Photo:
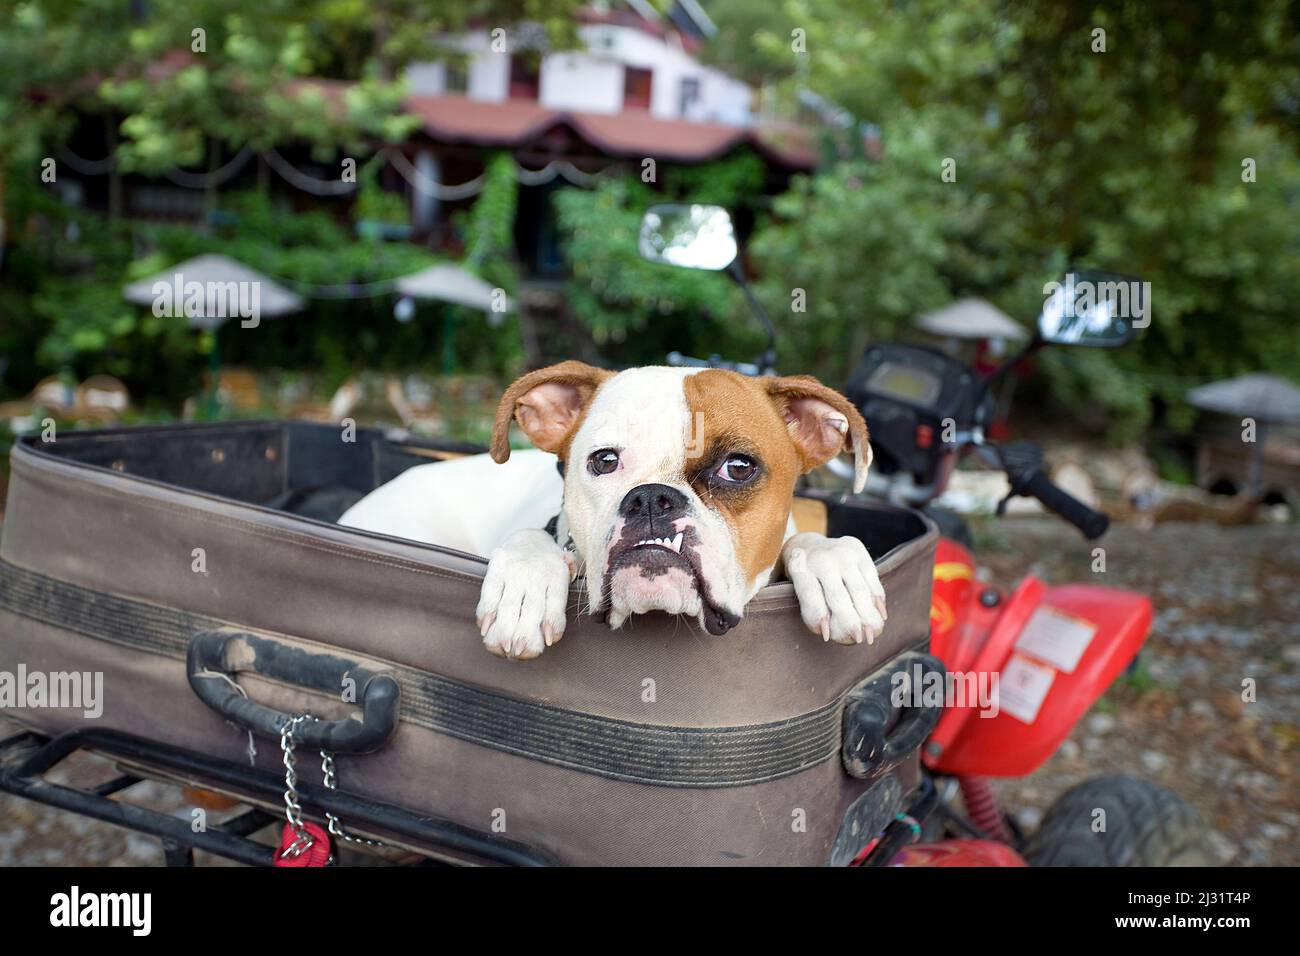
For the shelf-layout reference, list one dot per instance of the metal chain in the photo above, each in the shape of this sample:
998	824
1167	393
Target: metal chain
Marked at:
331	783
303	839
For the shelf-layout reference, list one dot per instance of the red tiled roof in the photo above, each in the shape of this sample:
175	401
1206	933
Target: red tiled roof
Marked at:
631	133
512	123
458	119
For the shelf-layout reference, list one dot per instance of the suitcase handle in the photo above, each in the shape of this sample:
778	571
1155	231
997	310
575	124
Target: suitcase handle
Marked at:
871	745
214	656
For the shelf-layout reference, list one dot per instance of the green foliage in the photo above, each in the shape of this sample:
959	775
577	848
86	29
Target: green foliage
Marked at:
489	224
1129	159
70	313
488	229
739	22
374	203
264	77
1133	683
617	294
240	82
879	263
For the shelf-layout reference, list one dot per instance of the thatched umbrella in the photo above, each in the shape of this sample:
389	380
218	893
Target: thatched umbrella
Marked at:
971	319
208	291
1264	398
447	282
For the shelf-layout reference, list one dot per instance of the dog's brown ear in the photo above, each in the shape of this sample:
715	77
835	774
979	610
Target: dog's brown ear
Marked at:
547	404
822	423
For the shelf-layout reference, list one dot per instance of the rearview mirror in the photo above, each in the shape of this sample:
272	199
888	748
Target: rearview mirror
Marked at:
689	235
1094	308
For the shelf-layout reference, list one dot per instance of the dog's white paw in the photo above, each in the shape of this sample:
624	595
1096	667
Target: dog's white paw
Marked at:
521	608
839	591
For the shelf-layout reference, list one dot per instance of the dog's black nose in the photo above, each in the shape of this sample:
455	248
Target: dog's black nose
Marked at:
653	501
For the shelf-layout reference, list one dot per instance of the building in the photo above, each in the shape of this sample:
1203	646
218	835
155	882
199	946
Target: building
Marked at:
634	90
631	59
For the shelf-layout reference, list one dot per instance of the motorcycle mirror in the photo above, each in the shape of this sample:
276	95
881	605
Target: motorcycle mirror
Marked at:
1089	307
690	235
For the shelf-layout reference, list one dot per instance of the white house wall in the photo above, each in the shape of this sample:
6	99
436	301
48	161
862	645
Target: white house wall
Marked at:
489	74
592	80
579	81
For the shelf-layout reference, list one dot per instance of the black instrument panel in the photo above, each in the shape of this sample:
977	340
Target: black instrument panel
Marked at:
913	398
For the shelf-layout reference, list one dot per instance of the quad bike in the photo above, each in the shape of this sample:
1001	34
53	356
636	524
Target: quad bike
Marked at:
1052	650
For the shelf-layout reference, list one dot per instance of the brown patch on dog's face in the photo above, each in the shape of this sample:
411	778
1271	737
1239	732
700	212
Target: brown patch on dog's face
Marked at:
734	417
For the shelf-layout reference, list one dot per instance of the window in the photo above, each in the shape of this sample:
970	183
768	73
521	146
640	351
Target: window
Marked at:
456	77
636	88
525	81
688	97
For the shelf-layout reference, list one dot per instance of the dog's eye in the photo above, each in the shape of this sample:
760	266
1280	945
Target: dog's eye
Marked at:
602	462
737	469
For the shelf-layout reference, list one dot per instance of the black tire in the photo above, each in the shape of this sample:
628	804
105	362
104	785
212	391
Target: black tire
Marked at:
1146	825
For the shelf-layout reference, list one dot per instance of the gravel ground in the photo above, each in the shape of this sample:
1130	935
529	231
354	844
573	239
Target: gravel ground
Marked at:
35	835
1228	608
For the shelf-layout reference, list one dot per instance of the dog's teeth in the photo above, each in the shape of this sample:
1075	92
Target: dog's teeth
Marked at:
673	543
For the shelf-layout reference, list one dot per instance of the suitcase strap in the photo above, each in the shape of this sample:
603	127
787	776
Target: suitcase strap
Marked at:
654	754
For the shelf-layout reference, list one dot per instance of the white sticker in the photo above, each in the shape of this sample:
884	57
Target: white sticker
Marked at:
1056	637
1023	686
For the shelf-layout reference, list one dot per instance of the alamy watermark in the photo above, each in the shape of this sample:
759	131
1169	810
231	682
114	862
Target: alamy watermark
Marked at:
208	300
921	687
133	911
1103	301
24	689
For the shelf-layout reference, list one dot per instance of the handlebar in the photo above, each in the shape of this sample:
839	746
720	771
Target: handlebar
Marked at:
1023	463
1092	523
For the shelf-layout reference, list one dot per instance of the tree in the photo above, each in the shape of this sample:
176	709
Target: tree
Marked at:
1123	148
174	84
174	78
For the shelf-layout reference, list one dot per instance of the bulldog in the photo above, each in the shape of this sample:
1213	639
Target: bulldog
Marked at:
676	496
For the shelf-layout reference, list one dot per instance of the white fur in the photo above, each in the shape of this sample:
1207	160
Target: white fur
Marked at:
521	608
839	590
471	504
643	413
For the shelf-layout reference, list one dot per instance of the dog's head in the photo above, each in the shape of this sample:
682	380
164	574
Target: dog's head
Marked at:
678	482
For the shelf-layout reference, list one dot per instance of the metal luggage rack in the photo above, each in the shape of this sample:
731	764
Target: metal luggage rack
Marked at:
26	757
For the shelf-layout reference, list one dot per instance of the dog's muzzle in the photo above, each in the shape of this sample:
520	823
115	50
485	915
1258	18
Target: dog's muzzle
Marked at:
657	538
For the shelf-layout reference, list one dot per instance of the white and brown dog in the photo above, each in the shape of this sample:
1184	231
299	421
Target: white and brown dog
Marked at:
676	496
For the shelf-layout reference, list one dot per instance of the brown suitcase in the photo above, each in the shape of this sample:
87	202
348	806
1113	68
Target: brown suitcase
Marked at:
166	557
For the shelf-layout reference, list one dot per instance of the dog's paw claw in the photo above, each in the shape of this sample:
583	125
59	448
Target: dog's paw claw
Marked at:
521	611
839	590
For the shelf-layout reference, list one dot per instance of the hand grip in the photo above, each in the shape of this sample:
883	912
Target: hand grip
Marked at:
214	656
1092	523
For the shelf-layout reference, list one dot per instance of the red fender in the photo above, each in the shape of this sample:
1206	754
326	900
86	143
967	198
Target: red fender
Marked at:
1049	652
